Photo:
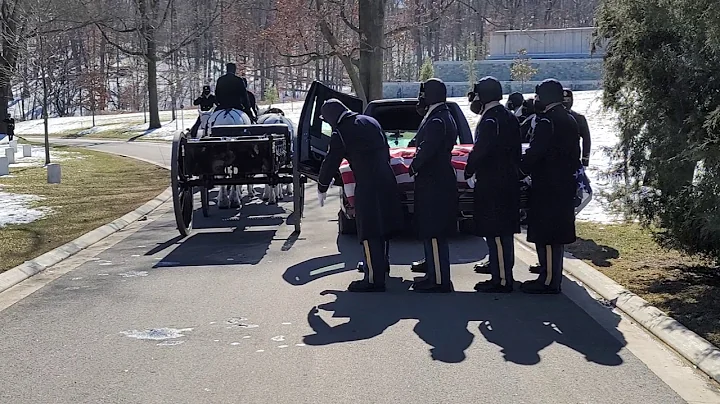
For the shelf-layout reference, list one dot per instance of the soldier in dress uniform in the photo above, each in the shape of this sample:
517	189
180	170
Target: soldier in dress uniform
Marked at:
585	152
514	103
552	161
492	170
582	126
436	194
378	212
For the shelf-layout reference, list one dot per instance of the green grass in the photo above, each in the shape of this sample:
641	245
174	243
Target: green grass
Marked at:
95	190
686	288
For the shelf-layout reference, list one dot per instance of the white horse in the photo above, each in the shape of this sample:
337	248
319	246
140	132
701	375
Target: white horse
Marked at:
272	193
229	196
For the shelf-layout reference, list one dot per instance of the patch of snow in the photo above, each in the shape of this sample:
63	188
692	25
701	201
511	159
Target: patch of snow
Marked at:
14	209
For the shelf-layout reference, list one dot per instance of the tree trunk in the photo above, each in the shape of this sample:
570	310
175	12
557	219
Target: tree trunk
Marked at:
152	86
371	23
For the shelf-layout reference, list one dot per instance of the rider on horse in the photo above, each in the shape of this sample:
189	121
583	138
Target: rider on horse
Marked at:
231	92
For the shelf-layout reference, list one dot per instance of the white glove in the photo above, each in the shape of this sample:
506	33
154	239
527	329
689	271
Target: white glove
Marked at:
321	198
471	182
323	195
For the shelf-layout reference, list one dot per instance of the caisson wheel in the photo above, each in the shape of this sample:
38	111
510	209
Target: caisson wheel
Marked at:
182	193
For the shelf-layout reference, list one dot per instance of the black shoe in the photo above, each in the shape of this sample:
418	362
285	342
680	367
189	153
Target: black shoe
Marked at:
538	288
361	268
535	269
483	268
492	287
419	266
432	287
364	286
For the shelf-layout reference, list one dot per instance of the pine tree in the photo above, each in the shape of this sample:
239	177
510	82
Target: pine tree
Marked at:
522	69
661	77
426	71
271	94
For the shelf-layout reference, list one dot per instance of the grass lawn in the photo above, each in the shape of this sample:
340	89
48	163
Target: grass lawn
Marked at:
684	287
96	189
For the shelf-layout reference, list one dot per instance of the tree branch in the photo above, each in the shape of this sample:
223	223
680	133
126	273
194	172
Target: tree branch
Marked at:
118	46
441	13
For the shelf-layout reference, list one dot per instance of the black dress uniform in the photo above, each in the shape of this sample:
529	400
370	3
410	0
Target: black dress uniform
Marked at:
378	212
231	93
494	161
582	126
206	101
584	136
552	161
251	99
436	194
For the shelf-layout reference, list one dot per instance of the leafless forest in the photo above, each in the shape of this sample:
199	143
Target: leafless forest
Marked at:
83	56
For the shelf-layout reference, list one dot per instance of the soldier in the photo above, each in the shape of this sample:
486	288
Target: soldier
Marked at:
436	195
582	126
552	160
515	103
231	93
378	213
206	101
10	125
492	170
585	137
251	99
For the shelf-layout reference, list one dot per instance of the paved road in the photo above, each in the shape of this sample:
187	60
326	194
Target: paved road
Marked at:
243	311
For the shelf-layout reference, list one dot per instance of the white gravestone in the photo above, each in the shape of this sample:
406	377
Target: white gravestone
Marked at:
53	173
10	154
27	150
13	144
4	166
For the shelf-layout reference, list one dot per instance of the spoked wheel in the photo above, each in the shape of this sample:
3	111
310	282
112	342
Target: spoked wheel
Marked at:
205	200
182	193
298	197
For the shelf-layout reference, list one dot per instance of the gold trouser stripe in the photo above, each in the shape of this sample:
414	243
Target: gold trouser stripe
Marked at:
368	262
548	265
436	260
501	261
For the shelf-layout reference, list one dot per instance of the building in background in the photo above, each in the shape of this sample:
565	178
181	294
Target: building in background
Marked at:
564	54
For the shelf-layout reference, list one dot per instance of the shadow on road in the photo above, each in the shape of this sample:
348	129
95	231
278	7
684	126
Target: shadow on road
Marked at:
227	237
403	251
520	325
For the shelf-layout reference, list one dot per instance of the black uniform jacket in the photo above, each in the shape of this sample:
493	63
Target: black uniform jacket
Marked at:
436	193
253	103
361	140
584	135
495	162
552	160
230	92
206	103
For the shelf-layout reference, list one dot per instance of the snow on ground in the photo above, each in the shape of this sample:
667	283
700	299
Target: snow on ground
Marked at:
602	124
14	209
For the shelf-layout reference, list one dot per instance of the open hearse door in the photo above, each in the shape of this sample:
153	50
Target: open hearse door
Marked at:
314	135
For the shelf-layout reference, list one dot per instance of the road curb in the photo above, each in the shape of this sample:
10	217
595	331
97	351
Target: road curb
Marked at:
696	349
27	269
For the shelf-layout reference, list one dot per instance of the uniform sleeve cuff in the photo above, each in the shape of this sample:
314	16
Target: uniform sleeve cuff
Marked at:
323	188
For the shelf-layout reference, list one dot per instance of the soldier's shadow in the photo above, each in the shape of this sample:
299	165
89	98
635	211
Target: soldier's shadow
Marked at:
520	325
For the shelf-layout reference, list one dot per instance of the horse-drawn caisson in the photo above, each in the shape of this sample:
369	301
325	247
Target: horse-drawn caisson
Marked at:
230	151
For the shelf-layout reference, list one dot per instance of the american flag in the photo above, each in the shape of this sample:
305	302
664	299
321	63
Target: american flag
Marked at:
402	157
400	160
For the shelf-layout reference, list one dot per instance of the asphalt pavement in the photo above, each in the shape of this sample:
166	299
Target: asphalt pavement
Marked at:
245	311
